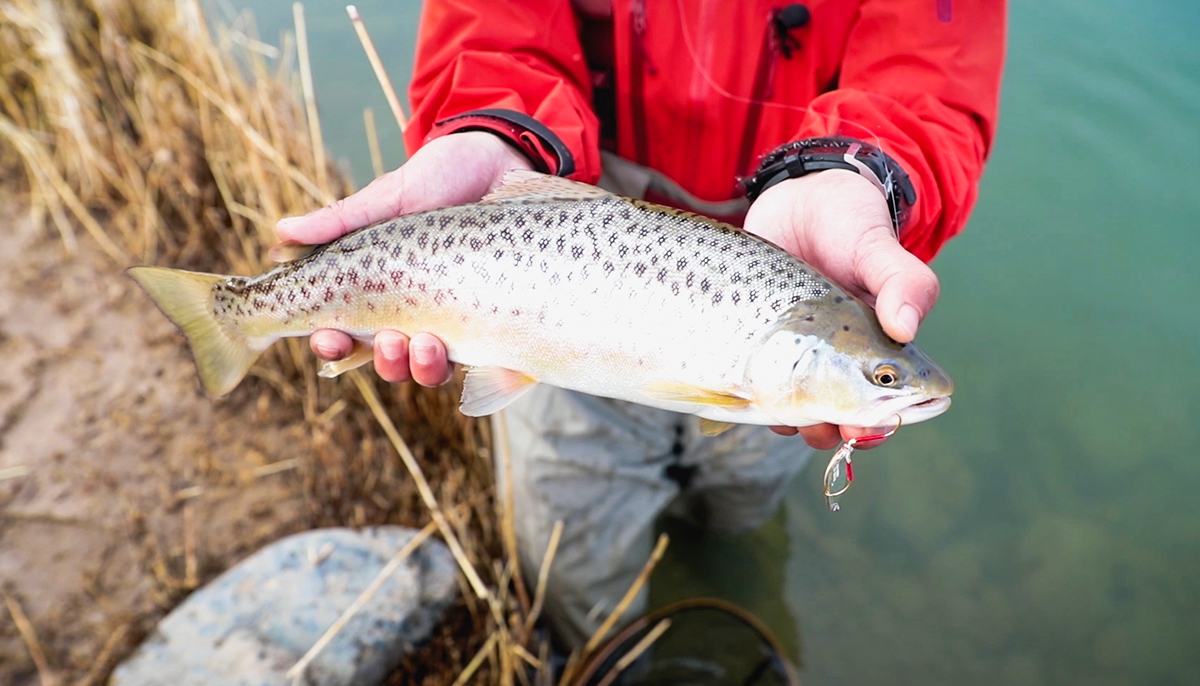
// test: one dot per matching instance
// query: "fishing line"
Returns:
(720, 90)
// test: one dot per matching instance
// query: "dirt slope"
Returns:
(136, 486)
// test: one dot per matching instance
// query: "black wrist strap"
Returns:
(812, 155)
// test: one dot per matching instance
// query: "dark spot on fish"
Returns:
(838, 299)
(705, 286)
(845, 327)
(577, 251)
(406, 231)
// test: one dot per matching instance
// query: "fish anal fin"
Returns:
(711, 427)
(520, 185)
(672, 391)
(361, 354)
(488, 390)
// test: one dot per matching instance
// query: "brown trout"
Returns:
(552, 281)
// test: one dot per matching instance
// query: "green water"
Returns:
(1047, 529)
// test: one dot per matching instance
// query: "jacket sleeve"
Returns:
(921, 80)
(512, 67)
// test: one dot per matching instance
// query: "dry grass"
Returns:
(128, 120)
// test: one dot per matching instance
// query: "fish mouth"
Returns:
(908, 409)
(926, 409)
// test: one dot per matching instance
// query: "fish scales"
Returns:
(561, 267)
(548, 280)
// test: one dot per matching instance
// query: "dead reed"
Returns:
(169, 143)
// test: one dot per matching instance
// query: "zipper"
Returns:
(639, 65)
(776, 41)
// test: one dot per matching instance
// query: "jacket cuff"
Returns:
(542, 146)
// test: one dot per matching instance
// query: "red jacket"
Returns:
(701, 89)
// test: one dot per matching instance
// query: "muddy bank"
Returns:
(135, 486)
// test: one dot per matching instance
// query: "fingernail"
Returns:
(327, 351)
(389, 346)
(424, 354)
(908, 319)
(287, 222)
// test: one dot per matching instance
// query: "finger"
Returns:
(429, 360)
(821, 436)
(785, 430)
(330, 345)
(848, 432)
(381, 199)
(391, 356)
(905, 288)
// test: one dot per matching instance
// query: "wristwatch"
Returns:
(836, 152)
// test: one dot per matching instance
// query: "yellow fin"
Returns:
(221, 361)
(361, 354)
(683, 393)
(287, 251)
(487, 390)
(520, 185)
(711, 427)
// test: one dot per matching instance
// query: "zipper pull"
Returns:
(783, 20)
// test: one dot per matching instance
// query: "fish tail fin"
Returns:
(221, 360)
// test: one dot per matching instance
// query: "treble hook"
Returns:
(834, 468)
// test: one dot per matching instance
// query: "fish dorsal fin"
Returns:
(487, 390)
(289, 251)
(711, 427)
(521, 185)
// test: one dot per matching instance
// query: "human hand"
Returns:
(451, 170)
(838, 222)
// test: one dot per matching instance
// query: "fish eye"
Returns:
(886, 375)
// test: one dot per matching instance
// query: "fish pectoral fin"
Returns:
(521, 185)
(672, 391)
(361, 354)
(711, 427)
(488, 390)
(289, 251)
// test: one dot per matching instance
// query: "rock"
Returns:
(251, 624)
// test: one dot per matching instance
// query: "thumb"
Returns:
(381, 199)
(905, 288)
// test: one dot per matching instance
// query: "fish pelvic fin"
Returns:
(487, 390)
(361, 354)
(222, 361)
(675, 392)
(711, 427)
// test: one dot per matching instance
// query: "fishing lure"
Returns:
(839, 473)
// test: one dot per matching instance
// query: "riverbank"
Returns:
(131, 133)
